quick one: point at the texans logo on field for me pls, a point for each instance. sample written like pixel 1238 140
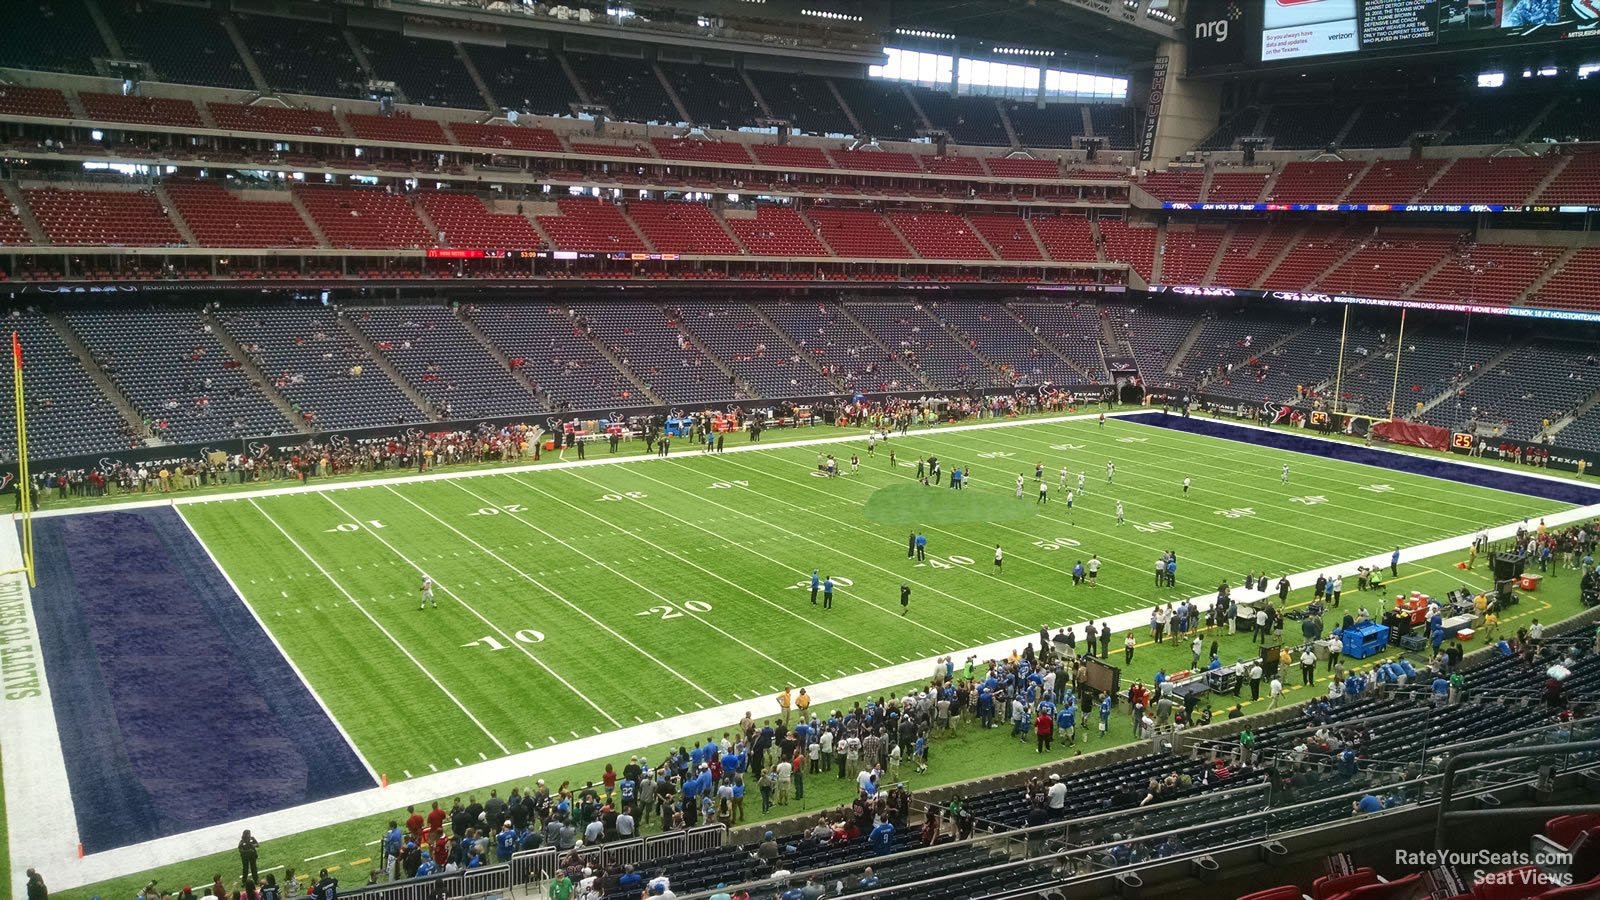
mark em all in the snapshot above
pixel 205 452
pixel 106 465
pixel 552 424
pixel 1586 9
pixel 6 479
pixel 339 442
pixel 414 434
pixel 257 448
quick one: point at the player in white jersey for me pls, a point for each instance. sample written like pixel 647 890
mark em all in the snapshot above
pixel 999 557
pixel 1119 512
pixel 1019 487
pixel 872 443
pixel 1044 493
pixel 1284 478
pixel 1069 499
pixel 1081 488
pixel 1063 483
pixel 1186 487
pixel 1111 472
pixel 427 593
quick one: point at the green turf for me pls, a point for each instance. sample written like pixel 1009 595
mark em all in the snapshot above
pixel 574 600
pixel 968 754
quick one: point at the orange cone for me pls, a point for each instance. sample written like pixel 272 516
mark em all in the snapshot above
pixel 383 780
pixel 80 851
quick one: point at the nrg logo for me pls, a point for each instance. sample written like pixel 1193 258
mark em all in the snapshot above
pixel 1217 29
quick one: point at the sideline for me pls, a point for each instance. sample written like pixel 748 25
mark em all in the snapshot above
pixel 39 812
pixel 66 871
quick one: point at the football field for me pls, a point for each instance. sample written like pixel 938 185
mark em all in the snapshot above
pixel 578 600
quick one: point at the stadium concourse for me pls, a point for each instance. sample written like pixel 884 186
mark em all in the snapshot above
pixel 611 334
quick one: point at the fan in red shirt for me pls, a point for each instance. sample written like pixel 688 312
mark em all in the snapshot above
pixel 414 825
pixel 436 818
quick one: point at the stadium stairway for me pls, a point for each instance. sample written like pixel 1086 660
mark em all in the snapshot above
pixel 1052 348
pixel 1181 352
pixel 389 371
pixel 742 385
pixel 257 378
pixel 789 341
pixel 13 197
pixel 108 389
pixel 1450 391
pixel 499 356
pixel 847 315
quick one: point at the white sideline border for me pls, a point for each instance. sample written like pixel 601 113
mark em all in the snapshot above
pixel 55 854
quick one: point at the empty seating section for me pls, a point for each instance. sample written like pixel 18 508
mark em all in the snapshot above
pixel 1541 381
pixel 1489 273
pixel 649 342
pixel 714 96
pixel 176 373
pixel 1391 123
pixel 1236 187
pixel 1573 285
pixel 139 110
pixel 1008 235
pixel 1229 338
pixel 1390 262
pixel 1018 167
pixel 1573 118
pixel 1494 179
pixel 804 100
pixel 219 217
pixel 1577 182
pixel 1316 250
pixel 1304 127
pixel 1309 358
pixel 775 231
pixel 1433 360
pixel 364 218
pixel 1153 335
pixel 839 347
pixel 1490 118
pixel 54 35
pixel 1176 186
pixel 591 226
pixel 756 353
pixel 68 414
pixel 507 137
pixel 790 156
pixel 1584 431
pixel 1314 182
pixel 882 108
pixel 1075 330
pixel 317 366
pixel 1126 244
pixel 968 120
pixel 875 161
pixel 994 333
pixel 12 231
pixel 681 228
pixel 924 346
pixel 426 70
pixel 858 232
pixel 556 354
pixel 599 148
pixel 1119 125
pixel 1067 238
pixel 44 103
pixel 1249 252
pixel 303 57
pixel 183 45
pixel 1393 181
pixel 629 86
pixel 525 79
pixel 442 361
pixel 940 235
pixel 102 218
pixel 702 151
pixel 1052 126
pixel 464 220
pixel 1238 124
pixel 1186 255
pixel 274 119
pixel 396 129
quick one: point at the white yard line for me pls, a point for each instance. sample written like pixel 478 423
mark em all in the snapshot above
pixel 35 737
pixel 379 625
pixel 41 821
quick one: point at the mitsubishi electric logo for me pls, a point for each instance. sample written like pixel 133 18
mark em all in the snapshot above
pixel 1217 30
